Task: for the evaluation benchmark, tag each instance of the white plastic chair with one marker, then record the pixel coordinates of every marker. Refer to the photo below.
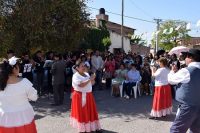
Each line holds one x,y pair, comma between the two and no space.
113,82
137,88
121,90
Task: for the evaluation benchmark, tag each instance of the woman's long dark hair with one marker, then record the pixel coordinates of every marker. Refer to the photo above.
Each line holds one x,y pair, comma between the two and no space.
5,71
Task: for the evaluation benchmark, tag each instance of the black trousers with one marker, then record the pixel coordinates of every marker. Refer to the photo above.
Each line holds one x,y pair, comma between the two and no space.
39,82
128,87
98,80
58,92
108,83
49,86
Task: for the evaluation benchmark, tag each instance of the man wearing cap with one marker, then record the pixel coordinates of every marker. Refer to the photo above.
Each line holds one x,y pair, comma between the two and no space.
187,94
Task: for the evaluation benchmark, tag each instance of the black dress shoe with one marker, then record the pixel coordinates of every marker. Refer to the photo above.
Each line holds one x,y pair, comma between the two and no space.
153,118
99,131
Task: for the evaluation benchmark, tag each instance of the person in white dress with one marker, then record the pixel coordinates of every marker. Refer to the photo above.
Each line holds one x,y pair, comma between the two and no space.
162,101
84,115
16,113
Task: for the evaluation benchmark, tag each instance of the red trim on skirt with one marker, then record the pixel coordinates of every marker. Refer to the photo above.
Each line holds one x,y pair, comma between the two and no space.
162,101
85,118
29,128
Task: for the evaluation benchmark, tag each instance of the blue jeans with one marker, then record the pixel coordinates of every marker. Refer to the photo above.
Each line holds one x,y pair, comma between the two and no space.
188,117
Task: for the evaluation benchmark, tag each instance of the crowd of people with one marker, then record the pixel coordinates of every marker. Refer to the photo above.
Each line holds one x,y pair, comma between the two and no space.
82,73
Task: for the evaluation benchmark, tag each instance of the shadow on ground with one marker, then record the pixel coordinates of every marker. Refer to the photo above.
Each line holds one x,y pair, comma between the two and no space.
127,108
44,108
107,106
106,131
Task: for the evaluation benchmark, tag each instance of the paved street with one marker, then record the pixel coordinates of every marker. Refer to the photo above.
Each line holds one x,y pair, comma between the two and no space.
117,115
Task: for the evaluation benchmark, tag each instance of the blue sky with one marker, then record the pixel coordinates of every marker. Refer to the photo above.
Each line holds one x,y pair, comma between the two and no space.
186,10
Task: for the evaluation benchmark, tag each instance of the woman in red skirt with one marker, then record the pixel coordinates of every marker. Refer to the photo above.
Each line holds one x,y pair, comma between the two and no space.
16,113
84,114
162,101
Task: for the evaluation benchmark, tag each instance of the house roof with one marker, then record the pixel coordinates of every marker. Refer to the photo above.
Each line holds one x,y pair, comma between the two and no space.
114,27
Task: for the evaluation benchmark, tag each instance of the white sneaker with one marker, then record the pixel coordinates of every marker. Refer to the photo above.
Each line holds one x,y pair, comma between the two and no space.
127,97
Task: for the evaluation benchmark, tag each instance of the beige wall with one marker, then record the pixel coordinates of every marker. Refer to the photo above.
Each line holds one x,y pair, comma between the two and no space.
116,42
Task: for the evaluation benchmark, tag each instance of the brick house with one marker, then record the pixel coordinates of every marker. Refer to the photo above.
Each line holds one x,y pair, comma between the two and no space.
193,42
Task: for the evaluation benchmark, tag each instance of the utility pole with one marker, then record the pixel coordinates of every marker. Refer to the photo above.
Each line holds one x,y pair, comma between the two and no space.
157,38
122,26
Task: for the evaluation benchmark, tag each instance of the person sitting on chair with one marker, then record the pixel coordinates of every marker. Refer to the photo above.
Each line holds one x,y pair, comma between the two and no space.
120,76
133,76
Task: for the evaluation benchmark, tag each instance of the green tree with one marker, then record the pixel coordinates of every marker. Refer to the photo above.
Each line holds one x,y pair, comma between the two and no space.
97,38
43,24
106,42
170,32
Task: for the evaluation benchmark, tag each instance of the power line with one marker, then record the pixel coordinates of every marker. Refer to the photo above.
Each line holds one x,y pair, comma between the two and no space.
130,17
144,12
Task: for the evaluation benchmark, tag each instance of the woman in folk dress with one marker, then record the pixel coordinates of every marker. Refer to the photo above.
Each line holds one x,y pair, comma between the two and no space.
162,101
84,114
16,113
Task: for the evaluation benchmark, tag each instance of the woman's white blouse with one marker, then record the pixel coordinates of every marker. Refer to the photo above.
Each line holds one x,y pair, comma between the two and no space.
161,76
78,79
15,109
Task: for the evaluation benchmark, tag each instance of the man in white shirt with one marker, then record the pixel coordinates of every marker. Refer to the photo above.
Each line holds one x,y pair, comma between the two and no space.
187,94
97,67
